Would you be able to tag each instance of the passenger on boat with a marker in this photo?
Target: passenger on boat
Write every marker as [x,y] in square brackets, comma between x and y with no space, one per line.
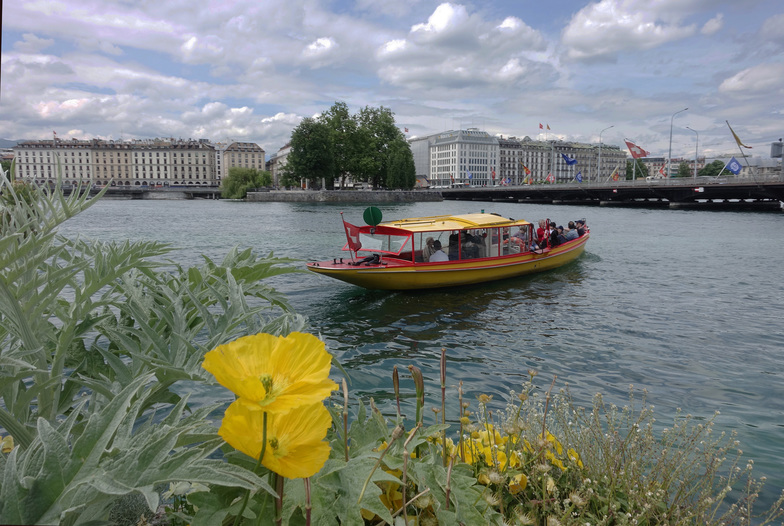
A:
[438,254]
[557,237]
[540,233]
[454,248]
[470,246]
[571,232]
[580,227]
[428,249]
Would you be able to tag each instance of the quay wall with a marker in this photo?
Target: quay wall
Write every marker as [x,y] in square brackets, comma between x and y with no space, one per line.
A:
[345,196]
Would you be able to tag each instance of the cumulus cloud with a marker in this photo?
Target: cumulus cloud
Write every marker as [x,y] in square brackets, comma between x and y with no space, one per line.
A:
[609,27]
[456,49]
[320,47]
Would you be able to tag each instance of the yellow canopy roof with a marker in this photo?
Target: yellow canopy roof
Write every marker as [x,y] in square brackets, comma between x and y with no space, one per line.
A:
[453,222]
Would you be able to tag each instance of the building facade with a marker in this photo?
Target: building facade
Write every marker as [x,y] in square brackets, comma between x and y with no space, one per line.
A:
[463,157]
[149,162]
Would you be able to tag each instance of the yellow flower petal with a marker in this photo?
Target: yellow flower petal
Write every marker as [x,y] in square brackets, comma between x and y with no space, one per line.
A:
[518,483]
[295,445]
[277,373]
[7,444]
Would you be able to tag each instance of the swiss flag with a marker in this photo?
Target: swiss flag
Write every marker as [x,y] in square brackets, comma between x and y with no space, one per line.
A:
[540,126]
[550,178]
[352,235]
[636,151]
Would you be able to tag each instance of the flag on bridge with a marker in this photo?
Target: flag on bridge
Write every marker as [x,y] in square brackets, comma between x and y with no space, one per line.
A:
[550,178]
[527,171]
[569,161]
[636,151]
[579,177]
[734,166]
[737,139]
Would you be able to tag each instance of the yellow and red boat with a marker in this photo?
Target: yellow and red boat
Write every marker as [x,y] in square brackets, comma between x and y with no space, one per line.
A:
[444,251]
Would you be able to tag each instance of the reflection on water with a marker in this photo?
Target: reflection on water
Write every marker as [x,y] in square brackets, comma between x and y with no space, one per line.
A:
[684,304]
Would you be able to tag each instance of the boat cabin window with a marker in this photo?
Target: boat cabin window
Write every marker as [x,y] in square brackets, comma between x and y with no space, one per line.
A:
[385,240]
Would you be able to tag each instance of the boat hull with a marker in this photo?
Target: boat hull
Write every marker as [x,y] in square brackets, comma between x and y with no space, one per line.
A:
[395,274]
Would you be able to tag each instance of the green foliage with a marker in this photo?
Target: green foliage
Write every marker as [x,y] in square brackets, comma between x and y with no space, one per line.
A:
[93,338]
[312,156]
[337,145]
[240,181]
[713,169]
[401,171]
[684,170]
[638,169]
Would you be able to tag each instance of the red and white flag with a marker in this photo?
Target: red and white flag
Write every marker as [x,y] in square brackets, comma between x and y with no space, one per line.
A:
[661,171]
[352,235]
[540,126]
[636,151]
[550,178]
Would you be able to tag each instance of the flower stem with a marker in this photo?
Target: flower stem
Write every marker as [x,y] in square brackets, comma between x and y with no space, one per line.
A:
[238,518]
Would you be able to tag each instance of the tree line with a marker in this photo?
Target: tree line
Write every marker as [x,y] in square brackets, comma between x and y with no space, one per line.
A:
[336,147]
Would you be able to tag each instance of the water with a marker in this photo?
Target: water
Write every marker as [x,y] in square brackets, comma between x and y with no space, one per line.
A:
[684,304]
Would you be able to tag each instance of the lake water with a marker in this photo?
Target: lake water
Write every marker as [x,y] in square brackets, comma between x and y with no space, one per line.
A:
[685,304]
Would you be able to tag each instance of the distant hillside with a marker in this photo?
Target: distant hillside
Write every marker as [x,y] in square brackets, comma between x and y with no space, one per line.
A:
[7,143]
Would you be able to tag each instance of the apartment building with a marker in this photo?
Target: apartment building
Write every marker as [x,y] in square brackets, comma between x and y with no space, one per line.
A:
[148,162]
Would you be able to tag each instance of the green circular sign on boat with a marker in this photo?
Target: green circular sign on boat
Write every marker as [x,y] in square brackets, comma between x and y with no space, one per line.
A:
[372,216]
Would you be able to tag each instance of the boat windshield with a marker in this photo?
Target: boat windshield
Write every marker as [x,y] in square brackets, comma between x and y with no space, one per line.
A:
[385,240]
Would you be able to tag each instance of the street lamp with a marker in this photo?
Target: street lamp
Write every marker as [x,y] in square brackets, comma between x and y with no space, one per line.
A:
[599,173]
[696,150]
[669,155]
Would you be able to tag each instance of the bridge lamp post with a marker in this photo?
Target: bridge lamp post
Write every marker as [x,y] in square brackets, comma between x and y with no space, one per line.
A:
[696,150]
[669,155]
[599,171]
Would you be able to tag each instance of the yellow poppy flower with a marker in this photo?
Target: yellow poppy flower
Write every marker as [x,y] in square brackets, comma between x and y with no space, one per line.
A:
[517,483]
[295,445]
[277,373]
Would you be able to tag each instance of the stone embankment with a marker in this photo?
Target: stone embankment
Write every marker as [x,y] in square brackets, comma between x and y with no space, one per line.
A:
[346,196]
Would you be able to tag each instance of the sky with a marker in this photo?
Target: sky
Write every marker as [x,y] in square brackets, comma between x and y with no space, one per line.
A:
[252,70]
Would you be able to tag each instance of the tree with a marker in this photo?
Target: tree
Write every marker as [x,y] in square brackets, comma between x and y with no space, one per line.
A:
[240,180]
[712,170]
[683,170]
[6,167]
[401,171]
[641,171]
[343,137]
[312,154]
[377,133]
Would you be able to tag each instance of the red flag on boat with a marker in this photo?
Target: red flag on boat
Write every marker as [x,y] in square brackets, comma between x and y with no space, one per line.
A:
[636,151]
[352,235]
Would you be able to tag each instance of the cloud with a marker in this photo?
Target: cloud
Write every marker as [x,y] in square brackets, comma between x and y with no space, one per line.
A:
[713,25]
[32,44]
[773,29]
[761,79]
[609,27]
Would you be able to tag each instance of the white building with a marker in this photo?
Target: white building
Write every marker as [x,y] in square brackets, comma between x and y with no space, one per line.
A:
[467,157]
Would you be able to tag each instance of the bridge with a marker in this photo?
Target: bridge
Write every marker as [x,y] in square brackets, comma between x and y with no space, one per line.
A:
[148,192]
[678,193]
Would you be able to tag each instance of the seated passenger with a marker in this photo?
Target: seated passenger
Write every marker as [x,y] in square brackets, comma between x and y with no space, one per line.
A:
[454,249]
[571,232]
[469,246]
[580,227]
[428,249]
[438,254]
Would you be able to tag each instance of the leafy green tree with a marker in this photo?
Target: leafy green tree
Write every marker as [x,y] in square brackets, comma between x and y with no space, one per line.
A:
[684,170]
[712,170]
[401,171]
[640,171]
[312,154]
[241,180]
[343,137]
[378,133]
